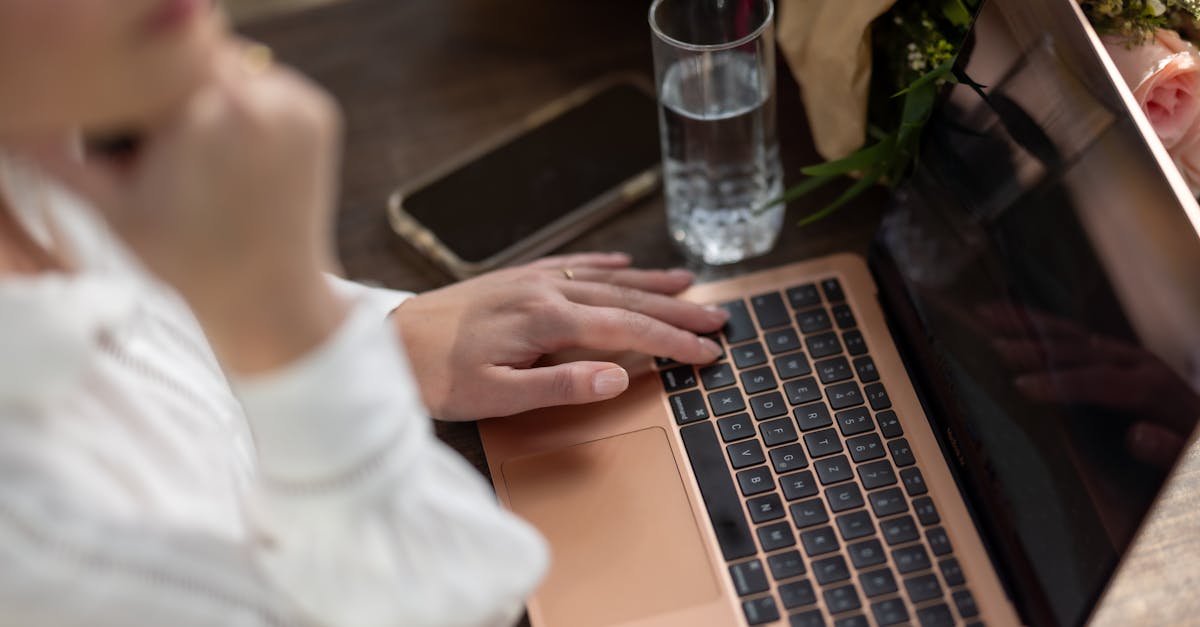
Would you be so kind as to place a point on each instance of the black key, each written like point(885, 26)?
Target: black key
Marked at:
point(755, 481)
point(844, 395)
point(887, 502)
point(830, 569)
point(785, 565)
point(899, 530)
point(889, 612)
point(814, 320)
point(965, 603)
point(952, 572)
point(878, 397)
point(788, 458)
point(922, 588)
point(833, 370)
point(938, 541)
point(864, 448)
point(748, 578)
point(833, 290)
point(745, 454)
point(768, 406)
point(813, 416)
point(803, 296)
point(802, 391)
point(855, 421)
point(844, 497)
point(855, 525)
point(680, 378)
point(726, 401)
point(759, 611)
point(770, 310)
point(758, 380)
point(748, 355)
point(914, 482)
point(809, 513)
point(811, 618)
point(797, 594)
point(833, 469)
point(856, 620)
point(865, 367)
point(716, 376)
point(855, 344)
point(740, 327)
point(736, 427)
point(782, 341)
point(716, 487)
point(925, 511)
point(844, 317)
point(765, 508)
point(842, 599)
point(823, 345)
point(665, 362)
point(778, 432)
point(877, 474)
point(798, 485)
point(823, 442)
point(819, 541)
point(866, 553)
point(688, 407)
point(935, 616)
point(792, 366)
point(877, 582)
point(776, 536)
point(910, 558)
point(889, 424)
point(901, 453)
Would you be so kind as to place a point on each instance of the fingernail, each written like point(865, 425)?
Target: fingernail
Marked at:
point(610, 382)
point(712, 347)
point(717, 312)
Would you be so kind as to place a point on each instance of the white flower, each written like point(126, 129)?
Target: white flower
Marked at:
point(1157, 7)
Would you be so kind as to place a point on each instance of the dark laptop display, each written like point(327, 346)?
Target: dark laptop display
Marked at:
point(1045, 276)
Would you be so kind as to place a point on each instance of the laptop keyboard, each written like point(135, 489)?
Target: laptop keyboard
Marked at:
point(797, 452)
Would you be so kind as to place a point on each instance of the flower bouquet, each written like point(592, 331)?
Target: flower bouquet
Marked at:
point(870, 71)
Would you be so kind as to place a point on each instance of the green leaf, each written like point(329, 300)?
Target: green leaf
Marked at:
point(803, 188)
point(863, 159)
point(956, 12)
point(941, 71)
point(852, 192)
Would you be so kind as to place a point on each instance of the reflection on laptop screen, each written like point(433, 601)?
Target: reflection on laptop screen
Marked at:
point(1046, 276)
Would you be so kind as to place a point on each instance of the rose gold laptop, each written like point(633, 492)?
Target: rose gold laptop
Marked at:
point(957, 435)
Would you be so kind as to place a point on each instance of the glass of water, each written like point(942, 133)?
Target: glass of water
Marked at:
point(714, 65)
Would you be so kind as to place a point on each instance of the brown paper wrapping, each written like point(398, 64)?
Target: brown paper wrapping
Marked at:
point(828, 46)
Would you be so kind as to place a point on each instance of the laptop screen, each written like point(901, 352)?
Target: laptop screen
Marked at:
point(1044, 271)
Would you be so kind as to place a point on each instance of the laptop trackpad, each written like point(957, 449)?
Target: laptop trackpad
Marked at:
point(624, 542)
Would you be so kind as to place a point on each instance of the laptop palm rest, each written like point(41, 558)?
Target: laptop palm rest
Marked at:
point(624, 540)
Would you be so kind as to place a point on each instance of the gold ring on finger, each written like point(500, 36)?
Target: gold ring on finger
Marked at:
point(568, 274)
point(257, 59)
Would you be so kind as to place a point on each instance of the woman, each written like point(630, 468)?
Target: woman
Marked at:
point(198, 427)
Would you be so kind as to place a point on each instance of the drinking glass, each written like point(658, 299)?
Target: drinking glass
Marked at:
point(714, 66)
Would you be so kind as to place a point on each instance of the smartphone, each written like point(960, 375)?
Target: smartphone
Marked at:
point(562, 170)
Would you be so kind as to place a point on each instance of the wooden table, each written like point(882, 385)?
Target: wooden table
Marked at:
point(422, 80)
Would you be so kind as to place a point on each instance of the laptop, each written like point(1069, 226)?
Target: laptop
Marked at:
point(969, 429)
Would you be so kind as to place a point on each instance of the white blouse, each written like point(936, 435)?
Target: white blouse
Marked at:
point(139, 487)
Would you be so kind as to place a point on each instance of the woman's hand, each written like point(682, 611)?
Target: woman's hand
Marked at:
point(478, 347)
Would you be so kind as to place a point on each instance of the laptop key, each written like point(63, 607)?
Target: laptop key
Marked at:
point(855, 344)
point(792, 366)
point(785, 565)
point(844, 317)
point(855, 421)
point(878, 397)
point(811, 618)
point(809, 513)
point(938, 541)
point(889, 424)
point(776, 536)
point(952, 572)
point(748, 578)
point(778, 432)
point(965, 603)
point(899, 530)
point(842, 599)
point(797, 594)
point(688, 407)
point(877, 474)
point(813, 416)
point(716, 376)
point(925, 511)
point(833, 290)
point(814, 320)
point(758, 380)
point(819, 541)
point(833, 469)
point(680, 378)
point(782, 341)
point(665, 362)
point(755, 481)
point(768, 406)
point(910, 559)
point(833, 370)
point(823, 345)
point(759, 611)
point(798, 485)
point(802, 391)
point(740, 327)
point(721, 500)
point(765, 508)
point(935, 616)
point(914, 482)
point(866, 553)
point(865, 367)
point(887, 502)
point(788, 458)
point(855, 525)
point(770, 310)
point(855, 620)
point(748, 355)
point(822, 443)
point(901, 453)
point(844, 395)
point(877, 582)
point(745, 454)
point(726, 401)
point(830, 570)
point(890, 612)
point(735, 428)
point(922, 588)
point(864, 448)
point(844, 497)
point(803, 296)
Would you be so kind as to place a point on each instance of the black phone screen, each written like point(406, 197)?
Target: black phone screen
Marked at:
point(509, 193)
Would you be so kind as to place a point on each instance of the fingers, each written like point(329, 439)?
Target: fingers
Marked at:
point(576, 262)
point(678, 313)
point(657, 281)
point(573, 383)
point(613, 329)
point(1098, 385)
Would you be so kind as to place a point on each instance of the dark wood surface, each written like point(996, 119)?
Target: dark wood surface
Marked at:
point(423, 80)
